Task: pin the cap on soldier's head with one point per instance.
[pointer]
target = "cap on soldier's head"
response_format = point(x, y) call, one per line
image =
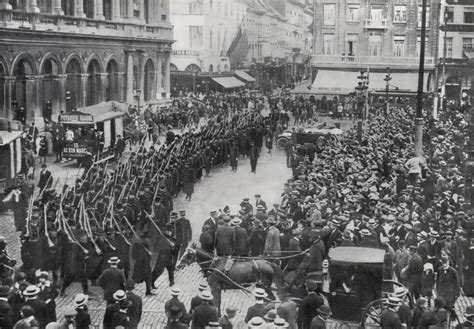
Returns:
point(182, 212)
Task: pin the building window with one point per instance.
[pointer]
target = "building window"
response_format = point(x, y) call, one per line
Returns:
point(329, 14)
point(400, 14)
point(418, 45)
point(449, 14)
point(163, 17)
point(399, 46)
point(467, 43)
point(195, 37)
point(353, 12)
point(375, 44)
point(469, 15)
point(449, 47)
point(420, 10)
point(196, 7)
point(210, 39)
point(376, 13)
point(328, 44)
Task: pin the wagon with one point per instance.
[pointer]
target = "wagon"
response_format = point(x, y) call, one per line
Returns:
point(359, 283)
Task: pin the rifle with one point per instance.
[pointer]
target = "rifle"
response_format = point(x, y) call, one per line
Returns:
point(50, 242)
point(135, 233)
point(120, 231)
point(172, 244)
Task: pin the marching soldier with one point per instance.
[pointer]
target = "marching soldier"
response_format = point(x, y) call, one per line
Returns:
point(184, 233)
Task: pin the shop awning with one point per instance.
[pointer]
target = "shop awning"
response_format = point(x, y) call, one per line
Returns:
point(105, 111)
point(229, 82)
point(328, 82)
point(407, 81)
point(6, 137)
point(244, 76)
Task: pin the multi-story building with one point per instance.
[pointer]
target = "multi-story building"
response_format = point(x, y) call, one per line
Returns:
point(374, 35)
point(456, 49)
point(205, 29)
point(89, 50)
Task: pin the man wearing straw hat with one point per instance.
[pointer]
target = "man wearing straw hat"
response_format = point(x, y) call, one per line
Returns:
point(83, 318)
point(389, 317)
point(111, 280)
point(204, 313)
point(174, 301)
point(41, 310)
point(258, 309)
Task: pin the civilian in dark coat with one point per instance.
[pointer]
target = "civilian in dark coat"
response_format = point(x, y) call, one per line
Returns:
point(309, 306)
point(206, 240)
point(212, 223)
point(414, 272)
point(448, 285)
point(258, 309)
point(204, 313)
point(83, 318)
point(241, 238)
point(111, 280)
point(46, 179)
point(6, 311)
point(257, 239)
point(135, 309)
point(225, 239)
point(184, 233)
point(40, 308)
point(110, 311)
point(390, 319)
point(174, 302)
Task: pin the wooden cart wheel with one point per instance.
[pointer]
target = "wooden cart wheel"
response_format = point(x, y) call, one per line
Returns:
point(281, 142)
point(372, 313)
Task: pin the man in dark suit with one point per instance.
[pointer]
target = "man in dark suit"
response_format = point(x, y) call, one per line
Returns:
point(309, 305)
point(45, 180)
point(225, 240)
point(6, 311)
point(225, 320)
point(319, 321)
point(258, 309)
point(184, 233)
point(414, 271)
point(175, 302)
point(212, 223)
point(241, 238)
point(111, 280)
point(204, 313)
point(41, 310)
point(259, 201)
point(135, 309)
point(389, 317)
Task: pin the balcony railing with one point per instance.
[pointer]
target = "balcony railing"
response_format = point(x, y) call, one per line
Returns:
point(68, 24)
point(376, 24)
point(355, 60)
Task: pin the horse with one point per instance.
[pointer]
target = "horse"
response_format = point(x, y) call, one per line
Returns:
point(242, 272)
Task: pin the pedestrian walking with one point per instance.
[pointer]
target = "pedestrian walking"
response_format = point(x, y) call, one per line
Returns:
point(254, 154)
point(111, 280)
point(82, 318)
point(134, 311)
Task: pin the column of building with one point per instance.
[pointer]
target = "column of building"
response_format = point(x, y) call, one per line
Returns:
point(57, 7)
point(59, 102)
point(141, 75)
point(99, 9)
point(159, 76)
point(7, 83)
point(79, 8)
point(166, 74)
point(129, 76)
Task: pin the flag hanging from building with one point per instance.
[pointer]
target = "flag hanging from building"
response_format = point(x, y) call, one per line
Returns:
point(238, 49)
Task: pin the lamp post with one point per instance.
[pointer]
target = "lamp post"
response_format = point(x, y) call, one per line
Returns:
point(362, 87)
point(445, 52)
point(387, 80)
point(421, 72)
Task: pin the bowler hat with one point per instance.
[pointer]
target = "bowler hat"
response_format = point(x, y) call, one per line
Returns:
point(324, 310)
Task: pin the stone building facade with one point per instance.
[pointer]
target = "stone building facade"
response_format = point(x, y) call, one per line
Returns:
point(380, 36)
point(78, 53)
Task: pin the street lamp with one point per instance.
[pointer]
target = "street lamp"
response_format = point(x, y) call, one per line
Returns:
point(387, 80)
point(362, 87)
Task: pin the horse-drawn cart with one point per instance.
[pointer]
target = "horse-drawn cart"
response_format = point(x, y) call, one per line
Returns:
point(359, 284)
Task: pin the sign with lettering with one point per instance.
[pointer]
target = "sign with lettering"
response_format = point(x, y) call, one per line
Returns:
point(76, 117)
